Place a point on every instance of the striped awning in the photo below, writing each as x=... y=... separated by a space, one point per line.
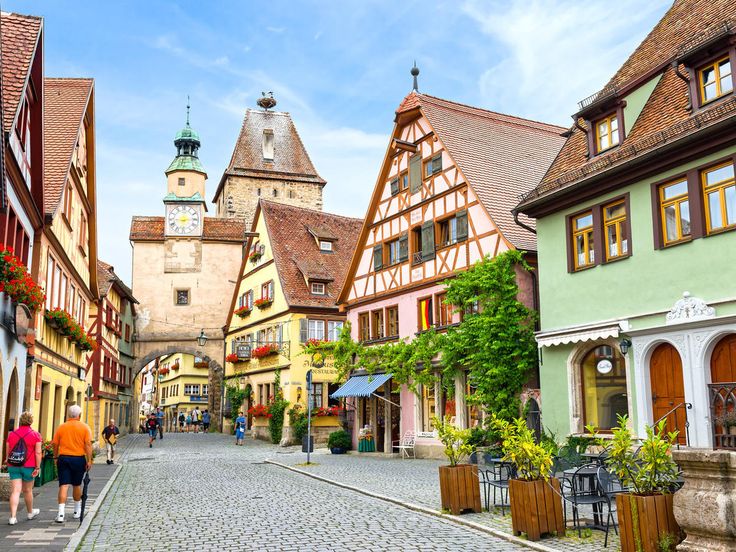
x=361 y=386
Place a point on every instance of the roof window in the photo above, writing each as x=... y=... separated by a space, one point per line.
x=267 y=144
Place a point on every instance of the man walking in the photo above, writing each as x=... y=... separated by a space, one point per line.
x=152 y=428
x=110 y=435
x=206 y=419
x=72 y=446
x=160 y=419
x=196 y=418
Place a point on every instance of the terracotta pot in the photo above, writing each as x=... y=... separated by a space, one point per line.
x=459 y=488
x=536 y=508
x=644 y=521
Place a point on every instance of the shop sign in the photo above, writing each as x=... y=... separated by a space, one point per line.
x=426 y=434
x=22 y=322
x=39 y=382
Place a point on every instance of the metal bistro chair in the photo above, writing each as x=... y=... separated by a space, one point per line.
x=581 y=489
x=497 y=477
x=610 y=486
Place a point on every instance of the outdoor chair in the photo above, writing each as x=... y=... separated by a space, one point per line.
x=610 y=486
x=405 y=446
x=559 y=465
x=571 y=455
x=581 y=489
x=496 y=477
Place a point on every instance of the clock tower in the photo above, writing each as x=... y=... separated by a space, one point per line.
x=185 y=180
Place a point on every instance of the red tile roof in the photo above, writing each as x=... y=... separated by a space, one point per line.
x=20 y=38
x=215 y=229
x=665 y=116
x=107 y=278
x=290 y=161
x=296 y=252
x=65 y=103
x=500 y=155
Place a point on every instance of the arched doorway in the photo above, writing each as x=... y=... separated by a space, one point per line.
x=11 y=409
x=723 y=361
x=668 y=389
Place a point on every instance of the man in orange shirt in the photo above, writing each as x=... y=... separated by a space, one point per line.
x=73 y=452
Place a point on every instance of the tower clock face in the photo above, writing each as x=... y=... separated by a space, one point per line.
x=183 y=220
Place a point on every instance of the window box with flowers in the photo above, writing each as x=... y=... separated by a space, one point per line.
x=163 y=371
x=324 y=411
x=265 y=350
x=263 y=302
x=234 y=358
x=175 y=366
x=65 y=325
x=242 y=312
x=259 y=411
x=255 y=256
x=17 y=283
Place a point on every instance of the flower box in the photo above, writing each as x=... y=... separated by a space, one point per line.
x=163 y=371
x=327 y=411
x=265 y=350
x=232 y=357
x=263 y=303
x=259 y=411
x=255 y=256
x=459 y=488
x=65 y=325
x=536 y=507
x=243 y=312
x=175 y=366
x=17 y=283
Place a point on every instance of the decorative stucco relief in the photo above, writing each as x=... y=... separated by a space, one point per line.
x=689 y=309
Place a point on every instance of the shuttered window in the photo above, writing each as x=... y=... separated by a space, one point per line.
x=378 y=257
x=404 y=247
x=394 y=186
x=428 y=240
x=415 y=174
x=462 y=225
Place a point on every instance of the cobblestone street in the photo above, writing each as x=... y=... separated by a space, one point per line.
x=200 y=492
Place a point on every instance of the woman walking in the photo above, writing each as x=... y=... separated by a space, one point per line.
x=24 y=463
x=240 y=423
x=189 y=421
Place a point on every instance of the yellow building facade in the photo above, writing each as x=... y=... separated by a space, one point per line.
x=182 y=386
x=285 y=296
x=66 y=250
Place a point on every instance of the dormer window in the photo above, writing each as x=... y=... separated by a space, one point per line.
x=267 y=144
x=715 y=80
x=606 y=133
x=325 y=246
x=318 y=288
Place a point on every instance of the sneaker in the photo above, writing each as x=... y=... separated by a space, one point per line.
x=150 y=445
x=77 y=515
x=12 y=521
x=33 y=513
x=59 y=518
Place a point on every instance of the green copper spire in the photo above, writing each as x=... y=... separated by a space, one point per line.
x=187 y=147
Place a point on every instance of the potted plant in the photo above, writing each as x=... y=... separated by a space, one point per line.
x=48 y=465
x=459 y=486
x=263 y=302
x=232 y=357
x=727 y=421
x=339 y=442
x=536 y=506
x=645 y=514
x=242 y=312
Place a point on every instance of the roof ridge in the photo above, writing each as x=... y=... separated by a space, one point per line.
x=522 y=121
x=270 y=203
x=23 y=15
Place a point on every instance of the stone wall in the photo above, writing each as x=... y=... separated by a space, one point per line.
x=240 y=195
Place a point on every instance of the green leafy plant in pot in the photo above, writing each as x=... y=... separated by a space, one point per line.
x=459 y=486
x=647 y=470
x=339 y=442
x=534 y=496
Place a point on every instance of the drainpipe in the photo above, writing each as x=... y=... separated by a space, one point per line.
x=524 y=226
x=676 y=67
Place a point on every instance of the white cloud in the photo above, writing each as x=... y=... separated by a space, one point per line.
x=276 y=30
x=557 y=51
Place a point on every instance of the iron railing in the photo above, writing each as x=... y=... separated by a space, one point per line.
x=722 y=402
x=673 y=419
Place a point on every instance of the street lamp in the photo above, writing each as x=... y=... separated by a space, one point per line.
x=202 y=339
x=624 y=345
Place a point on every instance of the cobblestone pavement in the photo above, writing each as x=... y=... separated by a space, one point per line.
x=201 y=493
x=417 y=482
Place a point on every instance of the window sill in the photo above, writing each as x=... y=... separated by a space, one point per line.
x=718 y=231
x=66 y=221
x=708 y=103
x=82 y=250
x=618 y=258
x=603 y=151
x=583 y=268
x=678 y=242
x=438 y=328
x=376 y=340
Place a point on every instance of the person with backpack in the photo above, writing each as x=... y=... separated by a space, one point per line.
x=189 y=421
x=152 y=427
x=206 y=419
x=24 y=463
x=73 y=452
x=160 y=420
x=182 y=419
x=196 y=418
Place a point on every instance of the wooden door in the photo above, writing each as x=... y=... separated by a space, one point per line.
x=668 y=389
x=723 y=361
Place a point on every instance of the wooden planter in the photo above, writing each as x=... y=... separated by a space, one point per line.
x=459 y=488
x=536 y=508
x=644 y=520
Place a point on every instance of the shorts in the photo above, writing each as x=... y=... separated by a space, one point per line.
x=20 y=472
x=71 y=470
x=205 y=425
x=152 y=432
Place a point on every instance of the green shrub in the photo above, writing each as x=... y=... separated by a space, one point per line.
x=532 y=461
x=454 y=439
x=339 y=439
x=483 y=436
x=277 y=409
x=298 y=421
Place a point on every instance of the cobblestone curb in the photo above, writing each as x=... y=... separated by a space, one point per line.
x=424 y=510
x=80 y=533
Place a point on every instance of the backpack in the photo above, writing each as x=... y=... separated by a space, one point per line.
x=19 y=454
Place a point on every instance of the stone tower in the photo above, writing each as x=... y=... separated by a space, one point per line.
x=269 y=161
x=184 y=269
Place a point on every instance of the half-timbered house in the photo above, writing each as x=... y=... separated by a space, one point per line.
x=442 y=202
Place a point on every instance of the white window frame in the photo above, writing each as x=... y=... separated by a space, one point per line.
x=318 y=288
x=325 y=245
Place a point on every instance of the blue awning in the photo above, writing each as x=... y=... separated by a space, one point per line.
x=361 y=386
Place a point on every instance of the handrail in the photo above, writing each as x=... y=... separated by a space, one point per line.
x=687 y=406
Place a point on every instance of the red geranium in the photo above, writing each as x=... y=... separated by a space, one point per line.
x=242 y=312
x=265 y=350
x=259 y=411
x=232 y=357
x=17 y=283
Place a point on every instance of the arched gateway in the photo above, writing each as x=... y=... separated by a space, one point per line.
x=185 y=266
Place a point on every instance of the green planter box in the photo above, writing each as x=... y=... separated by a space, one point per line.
x=48 y=472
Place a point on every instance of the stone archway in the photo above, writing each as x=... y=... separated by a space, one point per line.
x=210 y=353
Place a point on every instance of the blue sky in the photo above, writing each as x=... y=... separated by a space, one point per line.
x=340 y=69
